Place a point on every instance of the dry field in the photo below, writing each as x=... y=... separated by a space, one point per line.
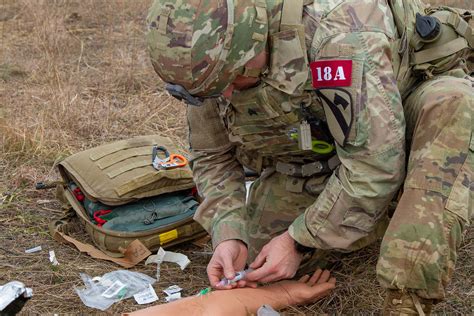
x=75 y=74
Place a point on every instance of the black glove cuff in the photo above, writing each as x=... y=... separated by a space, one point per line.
x=303 y=249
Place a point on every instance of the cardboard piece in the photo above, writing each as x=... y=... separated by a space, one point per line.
x=133 y=254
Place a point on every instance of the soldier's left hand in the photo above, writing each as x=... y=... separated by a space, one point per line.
x=278 y=260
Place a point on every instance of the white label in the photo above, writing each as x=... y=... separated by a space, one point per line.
x=32 y=250
x=170 y=290
x=52 y=258
x=173 y=297
x=147 y=296
x=304 y=136
x=114 y=289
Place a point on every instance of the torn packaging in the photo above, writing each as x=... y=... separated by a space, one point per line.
x=167 y=256
x=13 y=296
x=112 y=287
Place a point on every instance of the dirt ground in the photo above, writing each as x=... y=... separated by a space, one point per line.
x=75 y=74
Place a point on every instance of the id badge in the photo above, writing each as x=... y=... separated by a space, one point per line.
x=304 y=136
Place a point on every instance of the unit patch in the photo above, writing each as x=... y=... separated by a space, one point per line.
x=337 y=105
x=331 y=73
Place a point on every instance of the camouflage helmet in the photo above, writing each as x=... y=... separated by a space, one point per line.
x=202 y=45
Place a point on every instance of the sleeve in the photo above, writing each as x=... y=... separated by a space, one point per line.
x=370 y=143
x=219 y=177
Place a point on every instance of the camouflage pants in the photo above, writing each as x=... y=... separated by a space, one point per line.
x=418 y=251
x=272 y=209
x=276 y=200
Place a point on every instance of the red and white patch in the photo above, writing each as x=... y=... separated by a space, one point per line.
x=331 y=73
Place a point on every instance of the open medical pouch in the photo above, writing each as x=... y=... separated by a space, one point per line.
x=120 y=197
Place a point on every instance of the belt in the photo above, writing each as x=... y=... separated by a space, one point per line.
x=309 y=169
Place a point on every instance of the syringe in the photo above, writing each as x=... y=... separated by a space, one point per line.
x=238 y=276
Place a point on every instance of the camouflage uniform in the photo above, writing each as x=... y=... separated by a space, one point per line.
x=344 y=211
x=418 y=251
x=324 y=205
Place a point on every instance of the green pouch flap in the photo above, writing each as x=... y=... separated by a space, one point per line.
x=131 y=224
x=145 y=214
x=151 y=212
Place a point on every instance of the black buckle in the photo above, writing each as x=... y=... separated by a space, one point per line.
x=180 y=93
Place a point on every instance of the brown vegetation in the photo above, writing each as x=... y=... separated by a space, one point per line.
x=74 y=74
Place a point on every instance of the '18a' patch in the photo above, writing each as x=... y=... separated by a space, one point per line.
x=331 y=73
x=337 y=104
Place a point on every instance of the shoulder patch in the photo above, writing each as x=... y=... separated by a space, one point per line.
x=331 y=73
x=337 y=104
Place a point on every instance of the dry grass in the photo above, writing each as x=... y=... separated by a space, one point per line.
x=74 y=74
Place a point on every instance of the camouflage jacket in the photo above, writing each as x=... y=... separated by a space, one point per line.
x=350 y=41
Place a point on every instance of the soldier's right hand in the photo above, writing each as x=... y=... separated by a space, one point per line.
x=229 y=257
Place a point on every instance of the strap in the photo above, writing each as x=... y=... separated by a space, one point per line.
x=261 y=8
x=309 y=169
x=123 y=155
x=333 y=162
x=337 y=50
x=292 y=18
x=461 y=27
x=439 y=51
x=253 y=72
x=258 y=37
x=130 y=166
x=261 y=18
x=148 y=178
x=164 y=17
x=417 y=304
x=108 y=149
x=292 y=12
x=457 y=22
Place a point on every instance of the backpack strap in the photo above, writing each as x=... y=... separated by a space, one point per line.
x=292 y=18
x=459 y=36
x=440 y=51
x=292 y=12
x=460 y=25
x=262 y=18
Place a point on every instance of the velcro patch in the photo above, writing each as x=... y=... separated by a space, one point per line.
x=337 y=104
x=331 y=73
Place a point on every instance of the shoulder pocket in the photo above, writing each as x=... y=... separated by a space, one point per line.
x=288 y=62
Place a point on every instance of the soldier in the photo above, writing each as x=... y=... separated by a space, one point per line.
x=305 y=93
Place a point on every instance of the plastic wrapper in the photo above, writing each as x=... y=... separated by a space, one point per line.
x=112 y=287
x=267 y=310
x=11 y=291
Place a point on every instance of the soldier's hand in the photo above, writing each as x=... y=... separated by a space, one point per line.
x=278 y=260
x=229 y=256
